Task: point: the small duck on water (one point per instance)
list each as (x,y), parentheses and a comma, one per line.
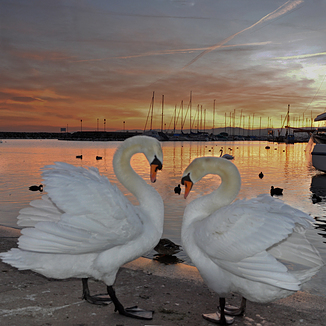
(177,189)
(276,191)
(36,188)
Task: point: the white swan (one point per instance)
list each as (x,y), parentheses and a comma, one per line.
(227,156)
(85,227)
(245,246)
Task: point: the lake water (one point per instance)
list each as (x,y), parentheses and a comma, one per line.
(284,165)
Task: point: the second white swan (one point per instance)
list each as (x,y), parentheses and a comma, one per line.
(246,246)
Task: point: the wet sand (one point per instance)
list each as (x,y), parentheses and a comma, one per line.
(176,293)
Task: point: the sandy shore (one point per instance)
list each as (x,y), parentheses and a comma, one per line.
(175,292)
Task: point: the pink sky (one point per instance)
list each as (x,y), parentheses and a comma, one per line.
(62,62)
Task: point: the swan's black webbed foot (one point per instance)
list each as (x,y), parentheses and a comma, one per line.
(133,312)
(236,311)
(98,299)
(219,318)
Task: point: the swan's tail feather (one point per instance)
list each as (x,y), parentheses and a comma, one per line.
(14,258)
(306,275)
(263,268)
(299,254)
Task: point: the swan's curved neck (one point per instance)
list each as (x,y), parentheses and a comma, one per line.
(222,196)
(148,198)
(126,174)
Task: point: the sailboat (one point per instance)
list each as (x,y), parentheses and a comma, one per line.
(287,138)
(319,136)
(160,135)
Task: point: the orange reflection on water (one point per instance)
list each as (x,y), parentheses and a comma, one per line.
(284,166)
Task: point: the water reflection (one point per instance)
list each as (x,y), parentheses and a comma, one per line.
(318,190)
(318,185)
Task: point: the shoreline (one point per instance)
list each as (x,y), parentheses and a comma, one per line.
(176,293)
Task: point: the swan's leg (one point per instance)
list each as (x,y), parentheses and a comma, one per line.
(219,317)
(100,299)
(133,312)
(236,311)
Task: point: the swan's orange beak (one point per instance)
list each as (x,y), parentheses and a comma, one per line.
(186,181)
(188,185)
(155,165)
(153,172)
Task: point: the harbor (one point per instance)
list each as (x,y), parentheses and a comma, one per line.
(188,124)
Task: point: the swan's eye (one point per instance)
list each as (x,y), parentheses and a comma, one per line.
(186,178)
(158,164)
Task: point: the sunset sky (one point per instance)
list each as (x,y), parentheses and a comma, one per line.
(90,60)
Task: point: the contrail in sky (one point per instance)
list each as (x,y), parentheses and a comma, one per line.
(302,56)
(168,52)
(283,9)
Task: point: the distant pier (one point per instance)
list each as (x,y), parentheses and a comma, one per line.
(75,136)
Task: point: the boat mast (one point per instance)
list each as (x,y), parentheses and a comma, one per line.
(253,124)
(190,104)
(249,126)
(224,121)
(162,113)
(152,111)
(182,116)
(234,128)
(287,121)
(175,113)
(214,117)
(240,123)
(198,119)
(230,128)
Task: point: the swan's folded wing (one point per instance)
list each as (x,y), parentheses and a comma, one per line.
(94,214)
(247,227)
(263,268)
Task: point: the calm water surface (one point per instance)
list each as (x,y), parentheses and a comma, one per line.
(285,166)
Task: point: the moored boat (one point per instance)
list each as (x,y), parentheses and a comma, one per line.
(319,151)
(319,157)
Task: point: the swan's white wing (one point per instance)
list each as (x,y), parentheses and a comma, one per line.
(94,214)
(262,267)
(40,210)
(248,227)
(237,236)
